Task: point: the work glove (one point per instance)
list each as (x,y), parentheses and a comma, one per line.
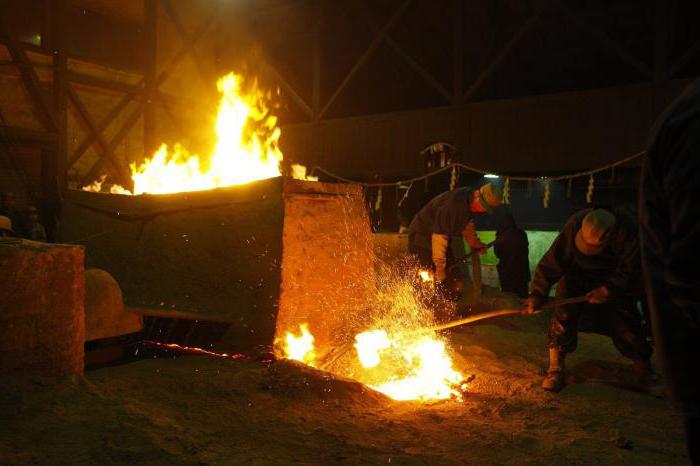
(534,303)
(599,295)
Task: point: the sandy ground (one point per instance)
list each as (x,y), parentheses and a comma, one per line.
(198,410)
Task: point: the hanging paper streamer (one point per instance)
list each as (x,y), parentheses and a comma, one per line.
(405,195)
(568,187)
(453,179)
(547,193)
(506,192)
(378,201)
(589,194)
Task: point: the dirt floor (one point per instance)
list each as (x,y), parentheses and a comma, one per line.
(199,410)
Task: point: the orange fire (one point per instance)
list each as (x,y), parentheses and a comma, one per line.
(425,276)
(301,347)
(394,356)
(401,367)
(246,149)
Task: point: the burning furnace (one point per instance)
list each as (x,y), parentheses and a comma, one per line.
(259,258)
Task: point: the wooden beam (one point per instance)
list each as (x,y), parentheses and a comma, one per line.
(606,40)
(84,117)
(102,83)
(458,51)
(59,48)
(28,136)
(203,67)
(100,128)
(316,63)
(116,140)
(186,47)
(502,55)
(150,14)
(269,68)
(422,72)
(126,100)
(663,15)
(288,88)
(373,46)
(41,107)
(692,52)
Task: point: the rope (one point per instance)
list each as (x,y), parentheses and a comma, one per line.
(316,169)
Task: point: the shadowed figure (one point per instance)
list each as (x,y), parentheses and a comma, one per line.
(512,249)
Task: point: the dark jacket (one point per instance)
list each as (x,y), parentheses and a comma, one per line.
(446,214)
(616,267)
(512,249)
(669,210)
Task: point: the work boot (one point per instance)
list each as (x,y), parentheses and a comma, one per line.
(555,379)
(644,372)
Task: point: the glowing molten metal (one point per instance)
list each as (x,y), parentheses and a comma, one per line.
(246,148)
(403,368)
(300,348)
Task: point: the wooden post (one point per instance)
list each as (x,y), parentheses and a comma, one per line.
(150,29)
(316,64)
(663,17)
(458,65)
(476,277)
(59,32)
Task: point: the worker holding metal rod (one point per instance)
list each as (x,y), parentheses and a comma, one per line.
(596,254)
(450,214)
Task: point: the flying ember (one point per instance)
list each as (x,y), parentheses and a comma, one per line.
(394,356)
(246,149)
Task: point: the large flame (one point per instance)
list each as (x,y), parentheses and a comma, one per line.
(403,367)
(301,347)
(408,368)
(246,149)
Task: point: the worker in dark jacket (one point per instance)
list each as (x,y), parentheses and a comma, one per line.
(448,215)
(669,211)
(512,249)
(596,254)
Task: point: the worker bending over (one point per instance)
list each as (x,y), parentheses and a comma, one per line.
(596,254)
(448,215)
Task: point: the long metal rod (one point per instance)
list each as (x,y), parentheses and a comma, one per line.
(337,353)
(502,312)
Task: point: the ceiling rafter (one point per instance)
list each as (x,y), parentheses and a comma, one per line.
(371,49)
(396,48)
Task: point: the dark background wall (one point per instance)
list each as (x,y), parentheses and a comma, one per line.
(519,85)
(535,87)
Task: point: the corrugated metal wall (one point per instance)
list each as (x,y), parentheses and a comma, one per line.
(563,132)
